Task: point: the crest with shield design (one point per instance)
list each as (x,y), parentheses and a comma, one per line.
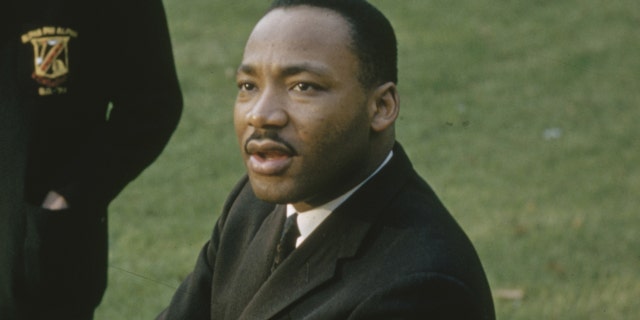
(51,60)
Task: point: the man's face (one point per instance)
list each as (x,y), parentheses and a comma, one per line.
(301,116)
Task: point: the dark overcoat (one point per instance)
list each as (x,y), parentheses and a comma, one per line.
(89,98)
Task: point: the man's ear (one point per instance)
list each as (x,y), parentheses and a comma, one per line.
(385,106)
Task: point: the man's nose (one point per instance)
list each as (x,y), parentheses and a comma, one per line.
(269,110)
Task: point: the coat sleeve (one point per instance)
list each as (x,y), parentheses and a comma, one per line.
(423,296)
(192,300)
(146,107)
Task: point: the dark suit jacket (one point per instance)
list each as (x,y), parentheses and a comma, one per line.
(390,251)
(61,134)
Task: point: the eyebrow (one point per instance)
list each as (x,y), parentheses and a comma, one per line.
(290,70)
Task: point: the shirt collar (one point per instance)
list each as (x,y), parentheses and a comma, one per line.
(311,219)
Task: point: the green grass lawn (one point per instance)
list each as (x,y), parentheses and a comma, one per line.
(523,116)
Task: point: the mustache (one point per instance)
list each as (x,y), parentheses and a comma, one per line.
(260,135)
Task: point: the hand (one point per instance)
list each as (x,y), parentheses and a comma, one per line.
(55,201)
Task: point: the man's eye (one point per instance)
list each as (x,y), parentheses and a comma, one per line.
(302,86)
(246,86)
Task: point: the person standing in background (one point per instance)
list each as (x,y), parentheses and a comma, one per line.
(89,99)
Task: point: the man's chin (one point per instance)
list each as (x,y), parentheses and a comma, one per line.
(269,190)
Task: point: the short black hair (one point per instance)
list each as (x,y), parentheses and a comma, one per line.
(374,41)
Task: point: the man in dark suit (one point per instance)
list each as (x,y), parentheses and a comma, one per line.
(315,117)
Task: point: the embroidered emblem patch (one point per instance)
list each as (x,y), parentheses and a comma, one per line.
(50,57)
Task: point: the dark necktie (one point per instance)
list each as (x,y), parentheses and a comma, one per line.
(287,241)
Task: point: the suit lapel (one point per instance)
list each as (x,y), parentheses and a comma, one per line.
(254,268)
(310,265)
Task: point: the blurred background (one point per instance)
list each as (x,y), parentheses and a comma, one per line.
(522,115)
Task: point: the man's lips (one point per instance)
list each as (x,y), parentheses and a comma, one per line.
(268,157)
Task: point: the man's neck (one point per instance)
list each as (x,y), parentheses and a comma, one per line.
(309,220)
(332,204)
